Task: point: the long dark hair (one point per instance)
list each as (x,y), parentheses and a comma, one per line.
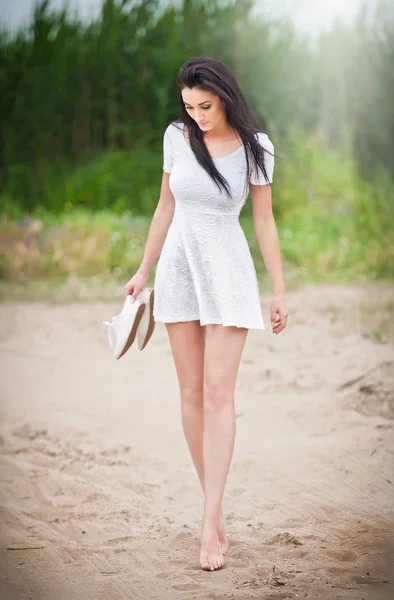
(209,74)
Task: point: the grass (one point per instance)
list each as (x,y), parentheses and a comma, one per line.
(50,251)
(333,226)
(77,244)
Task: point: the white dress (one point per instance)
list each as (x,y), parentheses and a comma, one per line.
(205,271)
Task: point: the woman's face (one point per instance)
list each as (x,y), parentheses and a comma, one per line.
(204,107)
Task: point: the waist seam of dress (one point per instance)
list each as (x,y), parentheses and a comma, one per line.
(204,212)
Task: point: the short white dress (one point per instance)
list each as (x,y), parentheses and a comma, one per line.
(205,271)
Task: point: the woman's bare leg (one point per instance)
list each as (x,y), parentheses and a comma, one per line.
(187,341)
(187,346)
(222,355)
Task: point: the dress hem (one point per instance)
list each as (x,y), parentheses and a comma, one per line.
(203,322)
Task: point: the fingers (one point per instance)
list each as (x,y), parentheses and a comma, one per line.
(274,315)
(128,289)
(275,320)
(133,290)
(135,285)
(280,321)
(135,294)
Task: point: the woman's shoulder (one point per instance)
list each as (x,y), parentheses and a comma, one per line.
(174,129)
(265,141)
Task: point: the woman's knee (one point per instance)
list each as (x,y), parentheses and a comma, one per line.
(192,394)
(217,397)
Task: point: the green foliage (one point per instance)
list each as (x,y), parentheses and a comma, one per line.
(78,243)
(332,225)
(122,181)
(73,90)
(84,107)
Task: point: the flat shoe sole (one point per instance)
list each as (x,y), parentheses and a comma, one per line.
(151,325)
(133,332)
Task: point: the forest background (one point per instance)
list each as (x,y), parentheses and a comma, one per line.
(84,105)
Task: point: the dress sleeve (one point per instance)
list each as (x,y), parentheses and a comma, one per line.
(167,153)
(256,174)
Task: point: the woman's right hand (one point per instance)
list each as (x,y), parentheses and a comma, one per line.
(135,285)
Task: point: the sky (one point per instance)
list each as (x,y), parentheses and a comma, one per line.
(310,15)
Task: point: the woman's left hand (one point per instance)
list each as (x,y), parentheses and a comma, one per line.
(278,313)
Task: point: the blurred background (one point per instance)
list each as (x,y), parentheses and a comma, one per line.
(88,88)
(99,498)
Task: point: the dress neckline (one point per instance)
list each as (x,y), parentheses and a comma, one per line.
(213,158)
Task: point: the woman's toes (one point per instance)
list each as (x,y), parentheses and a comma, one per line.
(211,557)
(204,562)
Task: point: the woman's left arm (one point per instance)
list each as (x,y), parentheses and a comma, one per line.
(268,240)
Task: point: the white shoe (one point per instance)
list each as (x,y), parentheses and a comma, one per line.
(147,323)
(124,326)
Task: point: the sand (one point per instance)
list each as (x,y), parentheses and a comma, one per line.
(99,498)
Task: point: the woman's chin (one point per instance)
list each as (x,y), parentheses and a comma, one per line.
(206,127)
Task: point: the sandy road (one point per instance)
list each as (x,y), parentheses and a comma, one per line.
(99,499)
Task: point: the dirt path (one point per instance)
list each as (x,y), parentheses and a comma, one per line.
(99,499)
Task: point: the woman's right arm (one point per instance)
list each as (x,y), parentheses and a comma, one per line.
(158,229)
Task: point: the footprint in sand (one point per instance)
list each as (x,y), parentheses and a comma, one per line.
(118,540)
(284,538)
(372,393)
(164,575)
(237,492)
(26,432)
(180,538)
(72,556)
(186,587)
(285,596)
(345,555)
(193,567)
(237,564)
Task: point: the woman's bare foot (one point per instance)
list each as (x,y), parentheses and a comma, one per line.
(211,556)
(223,540)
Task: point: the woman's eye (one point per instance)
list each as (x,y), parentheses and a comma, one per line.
(205,107)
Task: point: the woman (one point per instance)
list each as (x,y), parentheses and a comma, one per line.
(206,290)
